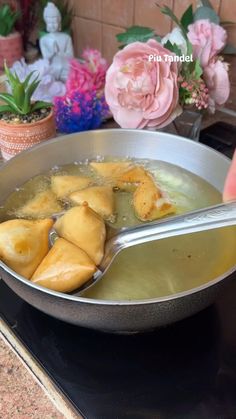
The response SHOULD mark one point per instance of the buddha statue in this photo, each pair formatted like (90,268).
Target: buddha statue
(56,46)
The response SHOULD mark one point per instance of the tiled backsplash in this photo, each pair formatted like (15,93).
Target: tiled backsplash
(96,22)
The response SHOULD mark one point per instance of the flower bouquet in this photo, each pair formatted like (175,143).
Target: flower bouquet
(152,79)
(83,106)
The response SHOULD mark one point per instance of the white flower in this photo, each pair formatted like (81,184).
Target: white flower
(176,37)
(48,87)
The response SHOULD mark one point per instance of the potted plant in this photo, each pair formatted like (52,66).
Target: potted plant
(11,48)
(23,122)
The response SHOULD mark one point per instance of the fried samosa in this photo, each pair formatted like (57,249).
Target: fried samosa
(42,205)
(150,203)
(23,244)
(84,228)
(110,170)
(99,198)
(65,268)
(62,186)
(131,178)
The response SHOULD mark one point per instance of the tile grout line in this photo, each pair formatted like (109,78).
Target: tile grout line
(36,371)
(100,21)
(134,11)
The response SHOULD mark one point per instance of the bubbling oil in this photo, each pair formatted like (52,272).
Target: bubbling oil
(155,269)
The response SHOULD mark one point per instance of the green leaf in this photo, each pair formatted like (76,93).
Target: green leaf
(32,87)
(8,19)
(3,28)
(189,47)
(198,69)
(27,79)
(6,108)
(187,17)
(173,48)
(229,49)
(40,105)
(42,33)
(17,78)
(135,34)
(5,95)
(26,108)
(191,67)
(157,38)
(18,94)
(206,13)
(10,76)
(10,101)
(5,10)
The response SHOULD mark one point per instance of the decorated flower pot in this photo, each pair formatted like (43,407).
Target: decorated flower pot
(15,138)
(11,48)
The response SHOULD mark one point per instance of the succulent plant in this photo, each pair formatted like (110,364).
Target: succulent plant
(19,101)
(8,18)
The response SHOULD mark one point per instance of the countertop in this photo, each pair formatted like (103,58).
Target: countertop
(25,391)
(20,394)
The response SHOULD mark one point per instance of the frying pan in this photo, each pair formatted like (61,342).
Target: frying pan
(115,316)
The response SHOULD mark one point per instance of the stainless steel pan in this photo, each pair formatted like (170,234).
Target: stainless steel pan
(117,316)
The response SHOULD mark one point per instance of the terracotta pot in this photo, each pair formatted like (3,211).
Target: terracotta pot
(15,138)
(11,48)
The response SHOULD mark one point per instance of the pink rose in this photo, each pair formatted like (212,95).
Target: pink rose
(207,39)
(217,80)
(140,92)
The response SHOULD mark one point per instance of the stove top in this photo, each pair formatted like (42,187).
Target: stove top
(184,371)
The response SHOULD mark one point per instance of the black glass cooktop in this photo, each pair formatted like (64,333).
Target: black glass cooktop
(184,371)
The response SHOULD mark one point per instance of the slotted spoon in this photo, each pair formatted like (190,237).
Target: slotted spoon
(209,218)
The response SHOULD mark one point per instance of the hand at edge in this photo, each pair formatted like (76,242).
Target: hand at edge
(229,192)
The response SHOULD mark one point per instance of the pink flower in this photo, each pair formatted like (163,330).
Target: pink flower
(88,74)
(94,58)
(217,80)
(80,77)
(207,39)
(140,92)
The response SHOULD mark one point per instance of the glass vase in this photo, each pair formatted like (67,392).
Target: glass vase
(188,125)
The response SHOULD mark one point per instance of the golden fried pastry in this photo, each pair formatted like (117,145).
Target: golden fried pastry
(149,202)
(42,205)
(62,186)
(65,268)
(23,244)
(110,170)
(130,179)
(84,228)
(99,198)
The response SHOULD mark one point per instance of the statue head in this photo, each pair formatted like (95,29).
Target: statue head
(52,17)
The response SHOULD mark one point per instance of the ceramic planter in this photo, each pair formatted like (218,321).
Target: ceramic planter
(15,138)
(11,48)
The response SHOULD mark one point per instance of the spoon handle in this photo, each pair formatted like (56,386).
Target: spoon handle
(217,216)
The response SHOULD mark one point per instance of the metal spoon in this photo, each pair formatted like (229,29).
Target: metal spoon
(217,216)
